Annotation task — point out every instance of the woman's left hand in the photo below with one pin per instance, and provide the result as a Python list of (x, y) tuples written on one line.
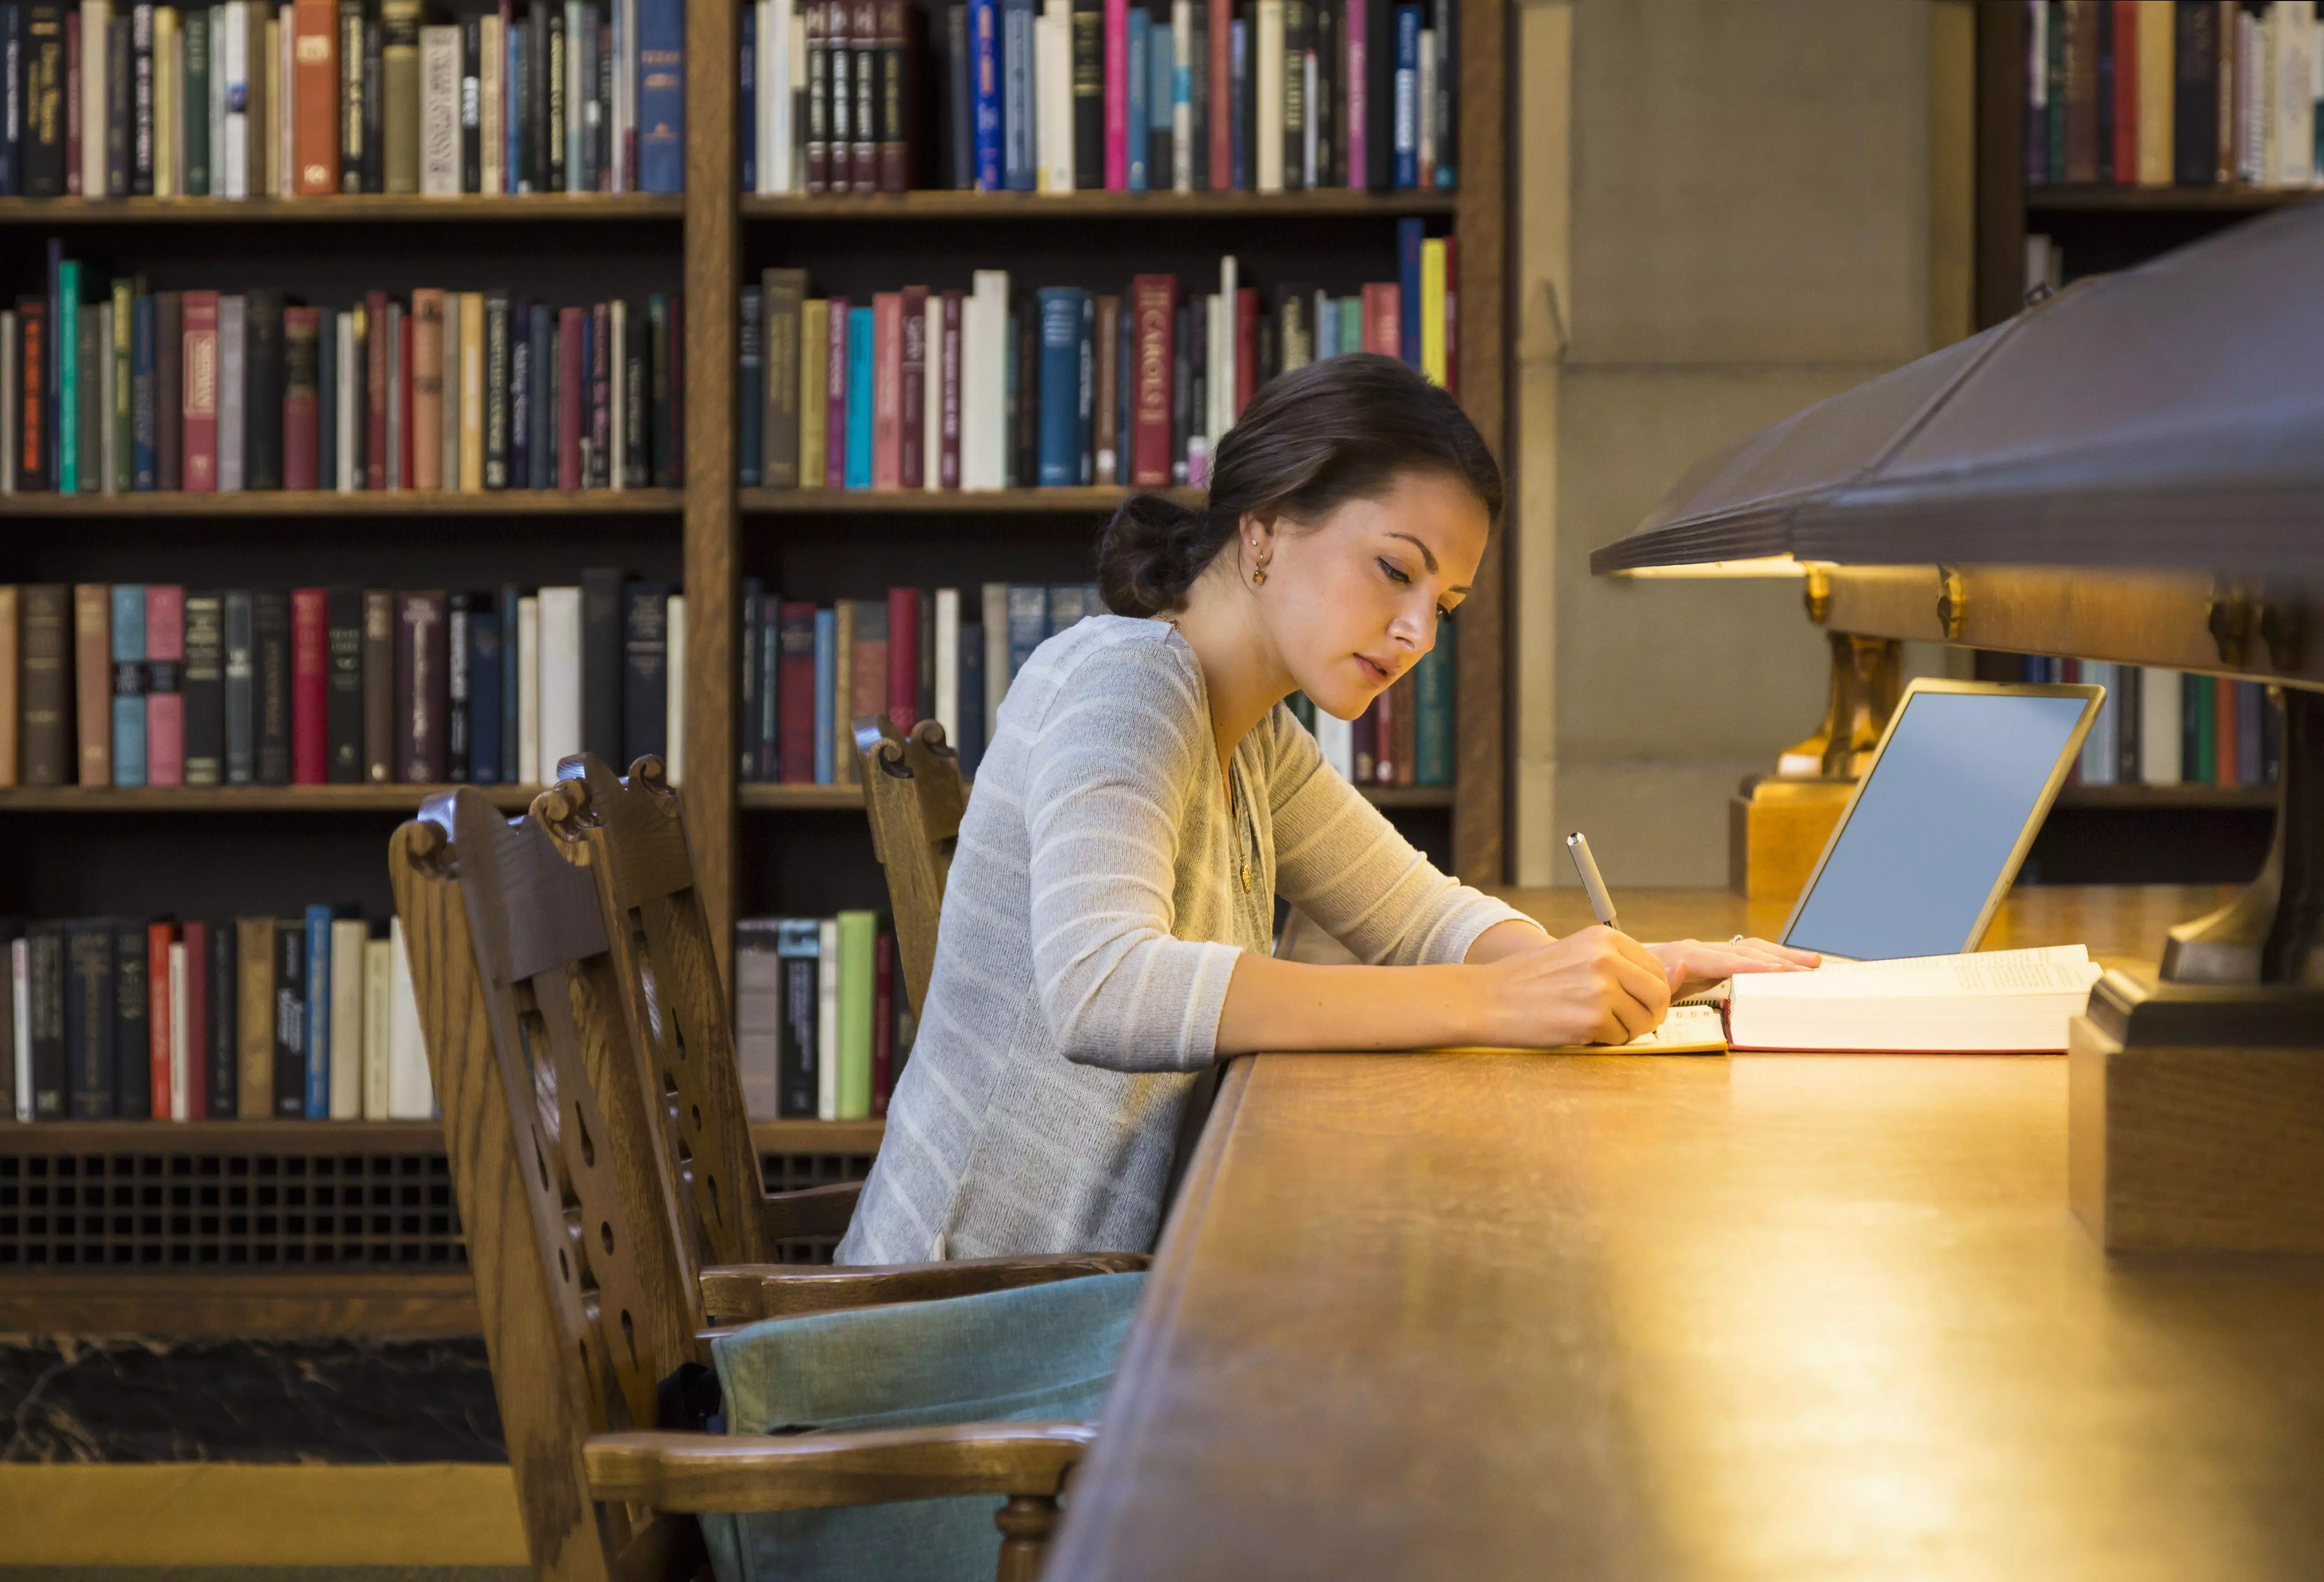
[(1693, 965)]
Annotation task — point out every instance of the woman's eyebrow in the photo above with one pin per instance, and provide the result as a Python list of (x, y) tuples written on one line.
[(1425, 553)]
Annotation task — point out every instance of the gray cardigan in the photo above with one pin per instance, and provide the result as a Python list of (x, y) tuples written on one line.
[(1095, 909)]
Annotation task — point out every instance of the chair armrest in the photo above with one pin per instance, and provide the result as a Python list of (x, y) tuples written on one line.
[(782, 1291), (823, 1210), (806, 1472)]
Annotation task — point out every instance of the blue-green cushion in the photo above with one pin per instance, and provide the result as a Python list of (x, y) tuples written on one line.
[(1039, 1354)]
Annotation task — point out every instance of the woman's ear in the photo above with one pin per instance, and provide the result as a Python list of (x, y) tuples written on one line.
[(1257, 529)]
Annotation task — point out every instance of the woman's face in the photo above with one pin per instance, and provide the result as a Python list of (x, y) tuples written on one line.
[(1353, 602)]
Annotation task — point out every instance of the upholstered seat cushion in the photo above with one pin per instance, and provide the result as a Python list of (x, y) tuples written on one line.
[(1038, 1354)]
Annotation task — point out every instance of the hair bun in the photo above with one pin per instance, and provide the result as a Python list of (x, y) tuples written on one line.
[(1151, 553)]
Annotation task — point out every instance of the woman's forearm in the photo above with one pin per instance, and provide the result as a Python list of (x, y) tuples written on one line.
[(1297, 1005)]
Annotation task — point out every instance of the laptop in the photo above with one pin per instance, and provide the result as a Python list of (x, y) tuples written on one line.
[(1931, 839)]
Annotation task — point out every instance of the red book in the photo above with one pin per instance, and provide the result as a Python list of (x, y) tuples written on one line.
[(159, 936), (913, 475), (72, 102), (314, 90), (1117, 95), (835, 389), (32, 403), (599, 473), (904, 658), (311, 670), (883, 1020), (1384, 318), (198, 414), (795, 693), (569, 388), (197, 1020), (2126, 93), (374, 388), (1246, 347), (1451, 315), (1222, 95), (949, 395), (1153, 299), (2227, 734), (165, 703), (405, 473), (301, 402), (887, 390)]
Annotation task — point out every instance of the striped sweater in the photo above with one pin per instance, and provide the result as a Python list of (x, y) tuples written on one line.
[(1099, 897)]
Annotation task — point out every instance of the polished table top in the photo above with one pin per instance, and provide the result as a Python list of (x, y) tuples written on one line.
[(1768, 1316)]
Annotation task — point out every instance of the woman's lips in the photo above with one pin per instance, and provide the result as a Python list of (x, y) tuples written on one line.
[(1375, 669)]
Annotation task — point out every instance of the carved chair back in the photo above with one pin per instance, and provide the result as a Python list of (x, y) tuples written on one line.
[(913, 792)]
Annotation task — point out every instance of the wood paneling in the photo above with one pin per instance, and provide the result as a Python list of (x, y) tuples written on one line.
[(1485, 376)]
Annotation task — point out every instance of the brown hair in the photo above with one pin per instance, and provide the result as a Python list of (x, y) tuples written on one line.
[(1342, 429)]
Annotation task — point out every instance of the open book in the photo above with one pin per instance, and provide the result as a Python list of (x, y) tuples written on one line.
[(1991, 1002), (1687, 1030)]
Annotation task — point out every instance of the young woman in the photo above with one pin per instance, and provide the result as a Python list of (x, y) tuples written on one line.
[(1147, 797)]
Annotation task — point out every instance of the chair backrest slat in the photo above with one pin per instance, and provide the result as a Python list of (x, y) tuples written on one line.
[(914, 797)]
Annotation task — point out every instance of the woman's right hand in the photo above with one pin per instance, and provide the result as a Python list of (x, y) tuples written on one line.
[(1594, 987)]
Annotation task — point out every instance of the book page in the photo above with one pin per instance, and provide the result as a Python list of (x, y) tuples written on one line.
[(2004, 973), (1686, 1030), (2069, 955)]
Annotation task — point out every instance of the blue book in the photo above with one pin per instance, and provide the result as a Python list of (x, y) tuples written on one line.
[(1327, 328), (1139, 74), (1068, 603), (1408, 273), (484, 691), (319, 1007), (971, 745), (751, 357), (1161, 94), (985, 91), (826, 669), (1407, 102), (1016, 152), (142, 394), (1029, 623), (1085, 394), (129, 683), (859, 398), (67, 320), (661, 96), (12, 98), (512, 93), (1060, 379), (746, 104), (1238, 121), (326, 398)]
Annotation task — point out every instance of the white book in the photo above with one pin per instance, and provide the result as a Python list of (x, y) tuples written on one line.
[(231, 68), (625, 93), (2161, 748), (758, 1016), (410, 1094), (2295, 94), (560, 677), (108, 432), (578, 89), (995, 600), (96, 29), (282, 107), (1220, 353), (1308, 126), (762, 110), (1054, 83), (2001, 1002), (232, 372), (378, 1023), (1337, 739), (20, 1006), (1424, 119), (948, 642), (1182, 107), (528, 690), (1266, 53), (439, 111), (776, 156), (181, 1037), (617, 316), (492, 130), (932, 406), (827, 1020), (673, 756), (343, 417), (984, 334), (350, 938), (799, 98), (9, 373)]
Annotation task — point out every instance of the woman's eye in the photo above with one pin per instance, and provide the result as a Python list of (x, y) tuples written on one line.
[(1396, 575)]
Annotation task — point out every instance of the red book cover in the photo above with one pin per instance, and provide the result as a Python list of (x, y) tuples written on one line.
[(73, 110), (374, 388), (198, 414), (795, 693), (887, 390), (599, 473), (301, 402), (405, 474), (311, 670), (1384, 318), (197, 1020), (1117, 95), (159, 936), (32, 401), (165, 703), (883, 1020), (569, 388), (949, 395), (1246, 348), (1222, 96), (914, 470), (904, 658), (2227, 734), (834, 390), (1153, 299), (2126, 93), (315, 92)]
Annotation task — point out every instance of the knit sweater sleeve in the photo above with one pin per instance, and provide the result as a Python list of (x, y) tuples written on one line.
[(1338, 860), (1109, 770)]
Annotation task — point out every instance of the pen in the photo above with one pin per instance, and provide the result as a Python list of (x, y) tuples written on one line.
[(1577, 846)]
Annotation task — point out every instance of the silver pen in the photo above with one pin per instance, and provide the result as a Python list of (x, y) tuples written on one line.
[(1577, 846)]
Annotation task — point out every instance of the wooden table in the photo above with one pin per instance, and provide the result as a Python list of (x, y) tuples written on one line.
[(1771, 1316)]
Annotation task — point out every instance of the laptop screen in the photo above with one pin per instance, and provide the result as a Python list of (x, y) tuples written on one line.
[(1932, 831)]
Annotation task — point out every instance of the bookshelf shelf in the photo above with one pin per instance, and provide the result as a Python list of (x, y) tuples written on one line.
[(1096, 499), (2168, 796), (391, 798), (209, 1301), (400, 208), (1408, 795), (2113, 199), (1013, 206), (779, 798), (818, 1136), (368, 502)]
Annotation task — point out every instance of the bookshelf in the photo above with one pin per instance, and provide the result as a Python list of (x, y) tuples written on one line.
[(757, 848)]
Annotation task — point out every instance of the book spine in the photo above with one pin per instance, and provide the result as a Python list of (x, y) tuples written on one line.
[(984, 42), (661, 96), (883, 1020), (165, 658), (862, 394), (287, 1090), (752, 389), (400, 95), (92, 678), (310, 687), (1019, 163), (863, 73), (128, 674), (912, 389), (601, 664), (782, 296), (423, 686), (902, 702), (89, 995), (887, 390), (645, 671), (459, 759)]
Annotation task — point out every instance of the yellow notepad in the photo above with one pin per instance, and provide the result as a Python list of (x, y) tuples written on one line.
[(1686, 1030)]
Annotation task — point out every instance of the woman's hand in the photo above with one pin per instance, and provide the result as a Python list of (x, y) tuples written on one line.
[(1594, 987), (1693, 965)]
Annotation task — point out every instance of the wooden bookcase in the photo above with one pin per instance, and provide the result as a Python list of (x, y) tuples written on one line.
[(2105, 834), (159, 1241)]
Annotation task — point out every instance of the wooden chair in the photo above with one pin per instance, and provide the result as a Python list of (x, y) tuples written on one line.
[(913, 793), (629, 837), (588, 1316)]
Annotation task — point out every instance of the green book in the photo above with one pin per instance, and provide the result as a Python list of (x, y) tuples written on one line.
[(1432, 725), (858, 933), (69, 376), (125, 405), (1352, 324), (2199, 724), (194, 101)]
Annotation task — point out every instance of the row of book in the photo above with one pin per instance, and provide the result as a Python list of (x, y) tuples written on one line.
[(214, 392), (2155, 94), (150, 684), (2168, 728), (922, 389), (821, 1026), (1186, 96), (250, 99), (249, 1018), (1406, 737)]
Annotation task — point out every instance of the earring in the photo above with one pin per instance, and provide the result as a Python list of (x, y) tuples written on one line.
[(1259, 576)]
